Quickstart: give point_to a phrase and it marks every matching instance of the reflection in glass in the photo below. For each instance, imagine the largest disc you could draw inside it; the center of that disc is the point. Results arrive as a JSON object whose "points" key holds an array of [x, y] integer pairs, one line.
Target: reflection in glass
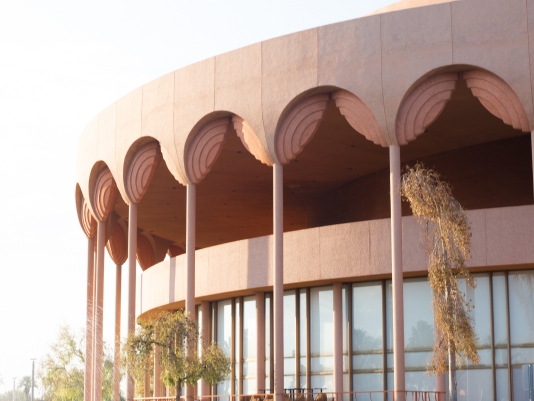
{"points": [[268, 341], [290, 338], [237, 351], [418, 333], [321, 337], [249, 344], [224, 337]]}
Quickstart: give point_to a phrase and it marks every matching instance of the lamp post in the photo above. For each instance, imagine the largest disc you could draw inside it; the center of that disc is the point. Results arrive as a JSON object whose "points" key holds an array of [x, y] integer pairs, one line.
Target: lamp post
{"points": [[14, 388], [33, 375]]}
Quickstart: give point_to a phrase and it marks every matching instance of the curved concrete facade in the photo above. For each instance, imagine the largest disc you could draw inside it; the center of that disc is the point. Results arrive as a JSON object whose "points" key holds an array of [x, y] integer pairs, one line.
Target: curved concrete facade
{"points": [[378, 58], [268, 176]]}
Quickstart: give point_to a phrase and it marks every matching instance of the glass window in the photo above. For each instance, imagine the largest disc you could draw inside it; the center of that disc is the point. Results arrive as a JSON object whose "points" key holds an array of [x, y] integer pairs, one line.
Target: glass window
{"points": [[418, 333], [367, 346], [268, 342], [224, 337], [521, 299], [321, 337], [237, 342], [290, 338], [249, 344]]}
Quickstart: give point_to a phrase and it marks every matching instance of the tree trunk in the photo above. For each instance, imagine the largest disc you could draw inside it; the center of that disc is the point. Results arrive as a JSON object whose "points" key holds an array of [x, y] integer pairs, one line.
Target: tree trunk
{"points": [[178, 390], [452, 372]]}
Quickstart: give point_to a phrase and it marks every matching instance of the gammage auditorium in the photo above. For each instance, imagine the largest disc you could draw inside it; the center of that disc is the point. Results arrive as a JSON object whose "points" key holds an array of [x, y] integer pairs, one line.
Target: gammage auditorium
{"points": [[258, 189]]}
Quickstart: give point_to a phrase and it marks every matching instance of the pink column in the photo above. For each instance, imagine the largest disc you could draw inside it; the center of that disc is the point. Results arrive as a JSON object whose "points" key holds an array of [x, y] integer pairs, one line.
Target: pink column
{"points": [[190, 250], [95, 278], [89, 322], [278, 280], [338, 339], [532, 147], [158, 383], [260, 341], [190, 234], [99, 351], [147, 381], [117, 356], [396, 271], [132, 249]]}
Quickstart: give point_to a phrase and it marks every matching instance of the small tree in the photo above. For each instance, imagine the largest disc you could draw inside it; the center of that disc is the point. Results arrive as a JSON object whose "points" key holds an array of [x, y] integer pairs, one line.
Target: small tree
{"points": [[25, 384], [448, 246], [61, 371], [177, 336]]}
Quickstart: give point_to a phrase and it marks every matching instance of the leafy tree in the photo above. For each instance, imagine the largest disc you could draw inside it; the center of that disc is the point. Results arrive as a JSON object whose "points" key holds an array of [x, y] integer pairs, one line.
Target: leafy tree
{"points": [[61, 371], [448, 246], [25, 384], [177, 336]]}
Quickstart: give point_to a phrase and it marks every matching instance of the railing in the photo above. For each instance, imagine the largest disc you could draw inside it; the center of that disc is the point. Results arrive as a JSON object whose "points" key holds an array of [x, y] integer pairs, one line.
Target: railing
{"points": [[386, 395]]}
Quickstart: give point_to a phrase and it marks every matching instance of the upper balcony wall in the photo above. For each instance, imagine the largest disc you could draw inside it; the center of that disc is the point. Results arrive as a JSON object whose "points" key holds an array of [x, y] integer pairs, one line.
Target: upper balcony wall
{"points": [[345, 252], [379, 58]]}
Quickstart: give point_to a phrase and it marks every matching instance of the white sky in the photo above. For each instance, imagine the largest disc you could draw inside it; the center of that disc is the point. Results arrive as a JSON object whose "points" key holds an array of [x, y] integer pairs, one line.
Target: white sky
{"points": [[61, 63]]}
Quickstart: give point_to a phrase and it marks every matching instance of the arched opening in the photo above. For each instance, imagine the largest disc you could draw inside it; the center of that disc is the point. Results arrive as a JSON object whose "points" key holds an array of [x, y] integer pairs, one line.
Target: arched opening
{"points": [[487, 162]]}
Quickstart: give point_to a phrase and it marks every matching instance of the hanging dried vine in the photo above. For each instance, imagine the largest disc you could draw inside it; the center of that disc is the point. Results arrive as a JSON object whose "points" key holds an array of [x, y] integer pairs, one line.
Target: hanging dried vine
{"points": [[447, 244]]}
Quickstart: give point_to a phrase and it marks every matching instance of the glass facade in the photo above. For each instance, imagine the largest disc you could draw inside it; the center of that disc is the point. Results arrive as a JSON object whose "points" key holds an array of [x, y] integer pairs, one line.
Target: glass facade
{"points": [[503, 317]]}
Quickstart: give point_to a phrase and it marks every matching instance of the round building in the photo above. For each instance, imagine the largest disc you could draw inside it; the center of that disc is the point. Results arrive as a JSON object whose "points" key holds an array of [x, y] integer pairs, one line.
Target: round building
{"points": [[257, 189]]}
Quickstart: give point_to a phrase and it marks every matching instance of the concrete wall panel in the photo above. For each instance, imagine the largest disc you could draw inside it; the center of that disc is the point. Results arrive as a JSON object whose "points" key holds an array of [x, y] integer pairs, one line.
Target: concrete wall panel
{"points": [[493, 34], [414, 42], [353, 251], [128, 130], [349, 57], [289, 68], [194, 98], [238, 86]]}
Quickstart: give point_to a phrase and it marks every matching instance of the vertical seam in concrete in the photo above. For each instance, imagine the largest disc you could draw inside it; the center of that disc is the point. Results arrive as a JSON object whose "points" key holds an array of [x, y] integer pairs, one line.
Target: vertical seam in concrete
{"points": [[214, 78], [529, 61], [369, 242], [382, 81], [485, 240], [316, 57], [141, 111], [115, 150], [452, 43]]}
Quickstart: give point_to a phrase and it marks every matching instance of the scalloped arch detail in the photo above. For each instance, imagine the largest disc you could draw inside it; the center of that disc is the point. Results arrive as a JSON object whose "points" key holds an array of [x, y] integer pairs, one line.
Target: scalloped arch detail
{"points": [[250, 140], [105, 194], [87, 220], [498, 98], [359, 116], [423, 106], [145, 251], [141, 170], [117, 244], [299, 126], [205, 148]]}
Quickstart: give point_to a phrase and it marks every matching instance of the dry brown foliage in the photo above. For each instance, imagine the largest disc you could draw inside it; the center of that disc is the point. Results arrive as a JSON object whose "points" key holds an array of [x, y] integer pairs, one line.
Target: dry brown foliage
{"points": [[447, 243]]}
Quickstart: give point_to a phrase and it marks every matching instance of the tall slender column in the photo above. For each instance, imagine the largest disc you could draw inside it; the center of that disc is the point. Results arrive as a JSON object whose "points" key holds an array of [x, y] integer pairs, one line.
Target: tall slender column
{"points": [[132, 249], [190, 250], [260, 341], [95, 307], [278, 280], [338, 339], [99, 351], [88, 379], [117, 356], [190, 261], [532, 147], [158, 383], [206, 339], [396, 271]]}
